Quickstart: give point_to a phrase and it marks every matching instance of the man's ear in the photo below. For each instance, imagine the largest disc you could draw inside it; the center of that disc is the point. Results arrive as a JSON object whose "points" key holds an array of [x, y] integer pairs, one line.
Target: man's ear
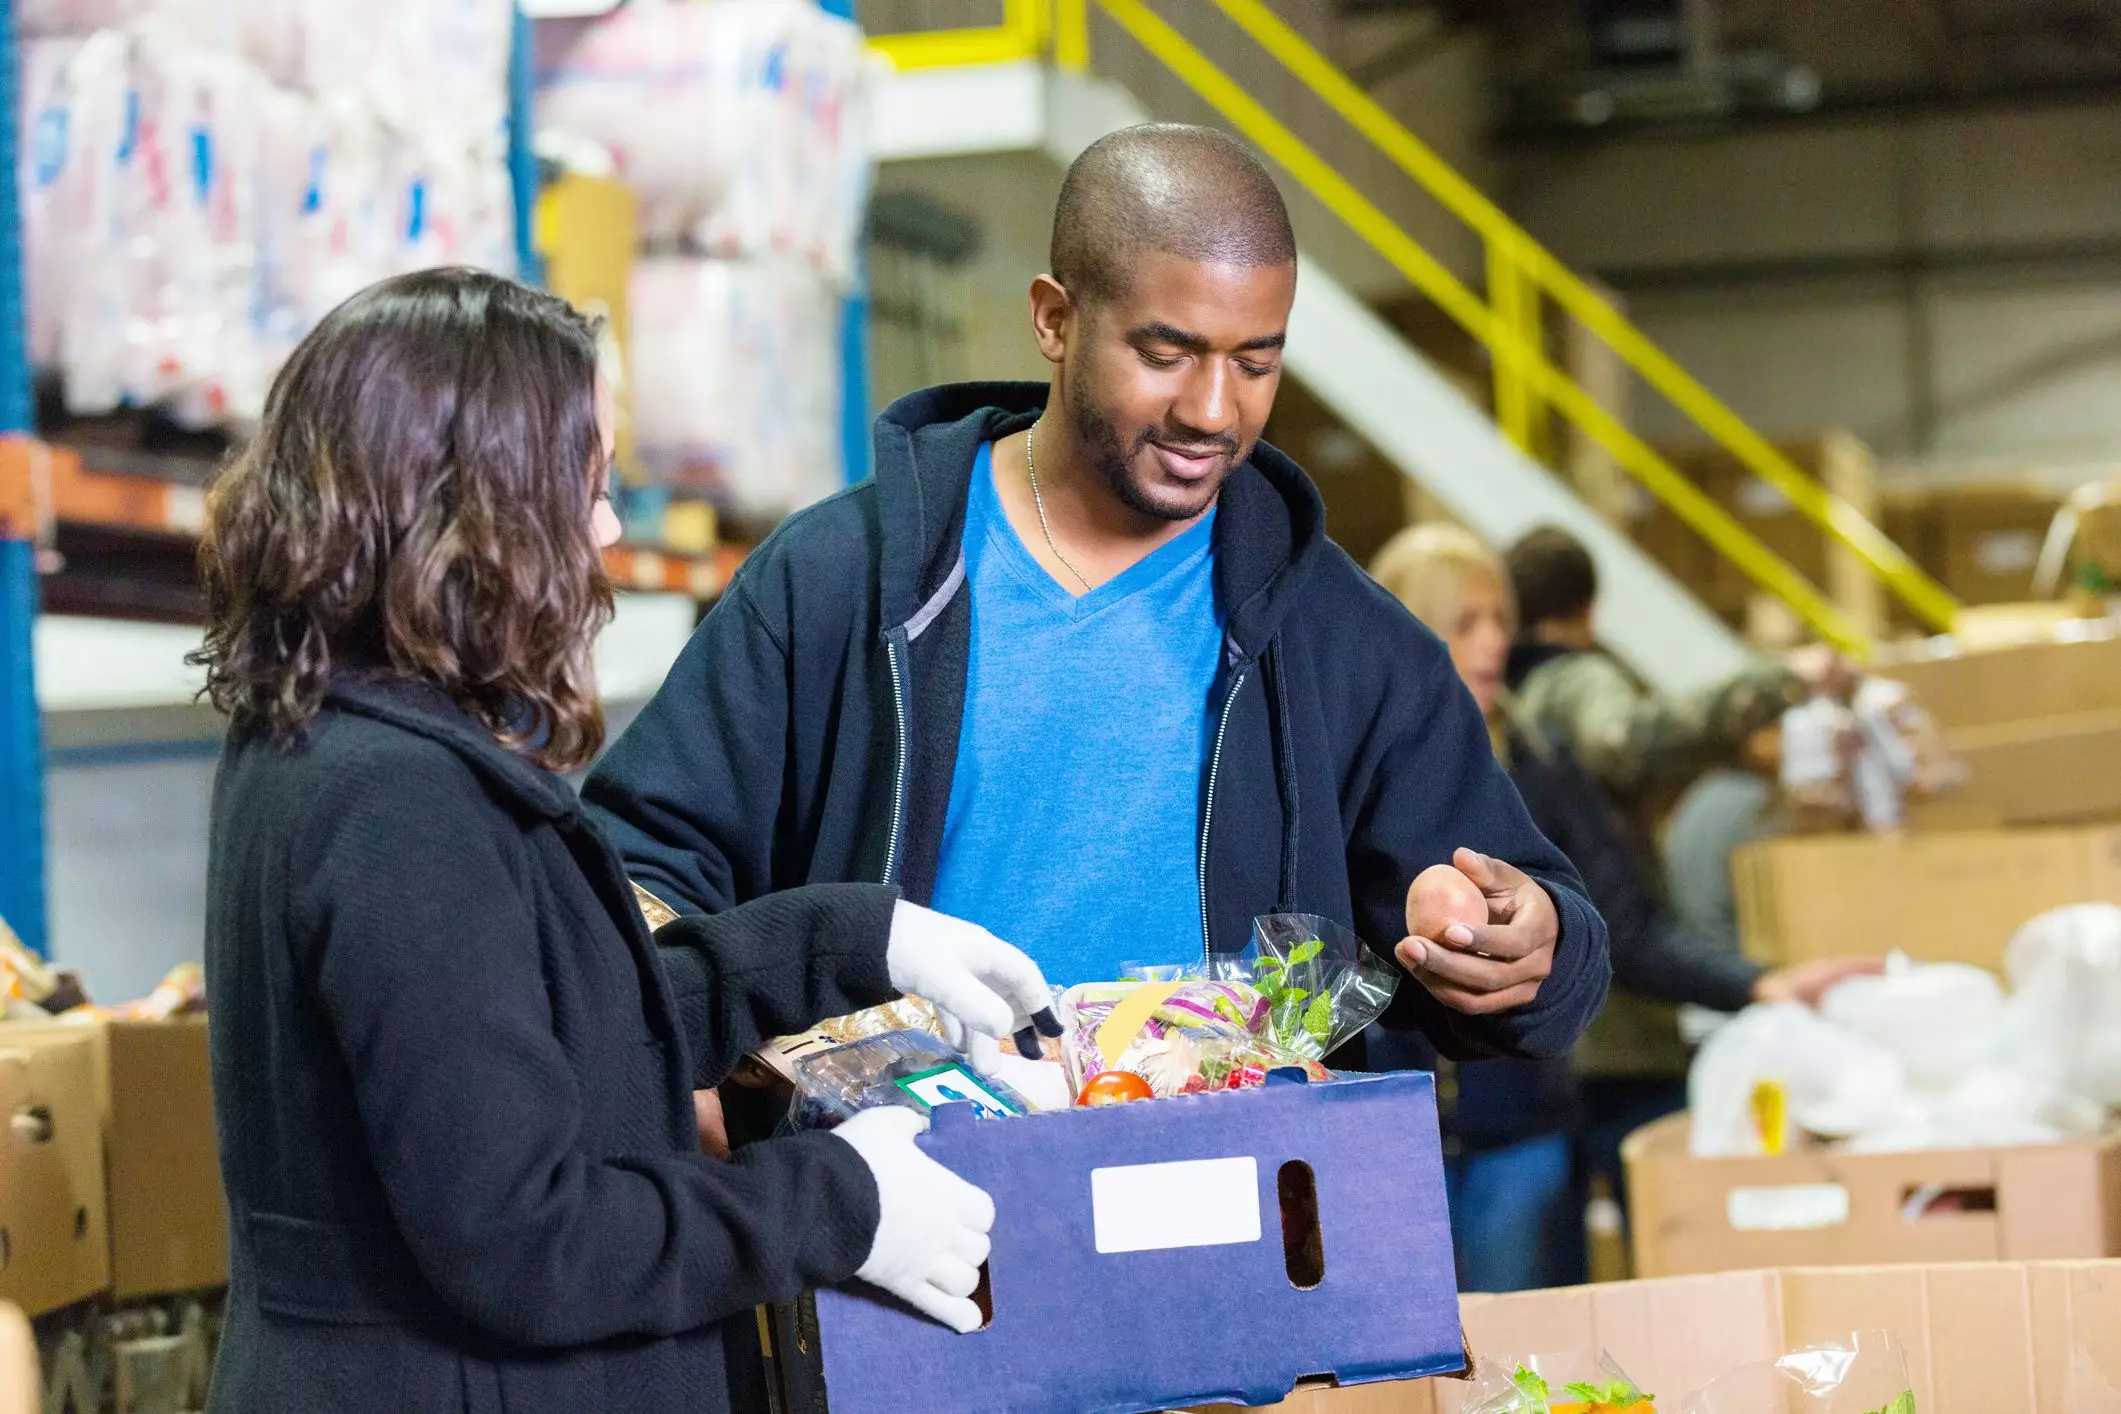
{"points": [[1052, 313]]}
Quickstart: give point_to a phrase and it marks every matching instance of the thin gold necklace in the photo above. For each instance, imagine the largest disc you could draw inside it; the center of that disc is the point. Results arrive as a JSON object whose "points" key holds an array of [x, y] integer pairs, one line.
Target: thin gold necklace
{"points": [[1031, 469]]}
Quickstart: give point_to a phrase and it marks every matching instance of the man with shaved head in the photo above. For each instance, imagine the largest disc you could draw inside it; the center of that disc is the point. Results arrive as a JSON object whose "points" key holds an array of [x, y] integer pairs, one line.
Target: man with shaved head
{"points": [[1079, 663]]}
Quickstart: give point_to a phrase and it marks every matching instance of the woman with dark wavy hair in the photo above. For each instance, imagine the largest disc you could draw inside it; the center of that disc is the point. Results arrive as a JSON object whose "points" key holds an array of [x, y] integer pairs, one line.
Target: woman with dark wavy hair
{"points": [[453, 1072]]}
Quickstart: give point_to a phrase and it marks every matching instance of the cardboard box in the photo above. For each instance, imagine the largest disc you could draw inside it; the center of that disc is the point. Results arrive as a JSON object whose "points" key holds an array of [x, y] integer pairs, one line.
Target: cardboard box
{"points": [[168, 1212], [168, 1215], [2049, 771], [1160, 1254], [1827, 1207], [1949, 897], [54, 1249], [1991, 537], [1991, 1338], [2037, 724], [2015, 683]]}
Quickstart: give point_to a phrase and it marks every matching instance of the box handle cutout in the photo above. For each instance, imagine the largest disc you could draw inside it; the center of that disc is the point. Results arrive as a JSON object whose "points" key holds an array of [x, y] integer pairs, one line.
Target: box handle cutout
{"points": [[33, 1125], [1303, 1246], [1939, 1200], [983, 1295]]}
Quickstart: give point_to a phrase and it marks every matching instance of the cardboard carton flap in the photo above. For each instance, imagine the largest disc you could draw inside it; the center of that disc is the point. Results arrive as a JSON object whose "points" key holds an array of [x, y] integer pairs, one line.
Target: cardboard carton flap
{"points": [[1212, 1317]]}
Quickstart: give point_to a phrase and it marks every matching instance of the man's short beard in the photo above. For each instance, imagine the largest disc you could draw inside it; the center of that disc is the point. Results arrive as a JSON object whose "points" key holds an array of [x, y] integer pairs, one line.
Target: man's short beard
{"points": [[1113, 458]]}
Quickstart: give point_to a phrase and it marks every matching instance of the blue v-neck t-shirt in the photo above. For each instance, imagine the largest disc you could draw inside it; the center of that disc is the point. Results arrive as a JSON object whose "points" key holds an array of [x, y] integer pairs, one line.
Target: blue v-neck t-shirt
{"points": [[1074, 817]]}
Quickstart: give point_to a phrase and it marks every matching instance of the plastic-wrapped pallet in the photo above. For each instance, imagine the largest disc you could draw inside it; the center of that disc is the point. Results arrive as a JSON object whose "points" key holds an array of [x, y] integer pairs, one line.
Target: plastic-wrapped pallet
{"points": [[205, 179], [736, 380], [736, 125]]}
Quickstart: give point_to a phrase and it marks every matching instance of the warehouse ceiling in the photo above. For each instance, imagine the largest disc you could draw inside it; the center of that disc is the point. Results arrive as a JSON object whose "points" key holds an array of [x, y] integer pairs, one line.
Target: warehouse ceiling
{"points": [[1586, 65]]}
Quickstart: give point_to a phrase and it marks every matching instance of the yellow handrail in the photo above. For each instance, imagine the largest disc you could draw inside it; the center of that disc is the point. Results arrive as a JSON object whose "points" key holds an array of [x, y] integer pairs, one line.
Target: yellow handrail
{"points": [[1020, 36], [1510, 244], [1658, 475]]}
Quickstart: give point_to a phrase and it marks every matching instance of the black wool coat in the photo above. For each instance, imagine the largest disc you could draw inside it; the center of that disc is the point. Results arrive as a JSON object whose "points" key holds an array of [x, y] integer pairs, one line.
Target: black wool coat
{"points": [[453, 1078]]}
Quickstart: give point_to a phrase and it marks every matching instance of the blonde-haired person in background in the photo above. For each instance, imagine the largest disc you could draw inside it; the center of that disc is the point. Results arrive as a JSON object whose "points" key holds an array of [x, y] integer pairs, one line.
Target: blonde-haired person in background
{"points": [[1516, 1192]]}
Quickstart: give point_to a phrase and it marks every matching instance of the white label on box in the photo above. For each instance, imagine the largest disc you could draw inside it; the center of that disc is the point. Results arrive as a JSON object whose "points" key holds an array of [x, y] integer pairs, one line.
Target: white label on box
{"points": [[2007, 551], [1195, 1203], [1796, 1207], [1761, 498]]}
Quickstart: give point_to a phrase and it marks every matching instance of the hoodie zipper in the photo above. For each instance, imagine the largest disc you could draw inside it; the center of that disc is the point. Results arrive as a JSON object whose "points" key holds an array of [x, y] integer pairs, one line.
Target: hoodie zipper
{"points": [[1207, 813], [898, 778]]}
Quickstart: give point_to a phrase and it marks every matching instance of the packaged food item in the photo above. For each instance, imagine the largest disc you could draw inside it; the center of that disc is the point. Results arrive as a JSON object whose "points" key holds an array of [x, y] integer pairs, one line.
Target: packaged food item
{"points": [[1575, 1383], [909, 1069], [1302, 987], [1866, 1376], [1181, 1037]]}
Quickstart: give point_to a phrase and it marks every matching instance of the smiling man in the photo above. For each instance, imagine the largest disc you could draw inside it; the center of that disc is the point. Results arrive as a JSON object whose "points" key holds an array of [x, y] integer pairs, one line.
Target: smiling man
{"points": [[1081, 665]]}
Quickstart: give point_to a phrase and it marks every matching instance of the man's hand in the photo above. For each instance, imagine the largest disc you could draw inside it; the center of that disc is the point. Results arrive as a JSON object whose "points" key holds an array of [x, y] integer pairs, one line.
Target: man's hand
{"points": [[1808, 982], [1497, 967]]}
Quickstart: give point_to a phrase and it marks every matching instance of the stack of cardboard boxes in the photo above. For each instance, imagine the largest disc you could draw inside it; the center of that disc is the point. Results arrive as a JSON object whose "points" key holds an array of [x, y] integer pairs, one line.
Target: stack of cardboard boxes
{"points": [[111, 1183], [2036, 825]]}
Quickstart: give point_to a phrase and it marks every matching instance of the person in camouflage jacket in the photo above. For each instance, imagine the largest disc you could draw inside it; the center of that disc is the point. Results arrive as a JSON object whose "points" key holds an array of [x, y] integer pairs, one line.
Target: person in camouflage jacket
{"points": [[1644, 748]]}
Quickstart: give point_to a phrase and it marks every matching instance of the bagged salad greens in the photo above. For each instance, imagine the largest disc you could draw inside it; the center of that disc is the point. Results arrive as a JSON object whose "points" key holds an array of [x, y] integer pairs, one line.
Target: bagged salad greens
{"points": [[1866, 1376], [1556, 1384], [1321, 984]]}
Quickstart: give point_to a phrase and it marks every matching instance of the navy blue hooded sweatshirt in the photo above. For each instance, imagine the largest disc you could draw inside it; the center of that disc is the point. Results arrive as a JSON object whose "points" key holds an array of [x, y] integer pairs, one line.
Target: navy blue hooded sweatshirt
{"points": [[809, 731]]}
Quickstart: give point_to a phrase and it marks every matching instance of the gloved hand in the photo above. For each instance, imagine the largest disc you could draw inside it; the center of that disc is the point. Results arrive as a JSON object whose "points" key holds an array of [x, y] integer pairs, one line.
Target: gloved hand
{"points": [[932, 1232], [977, 981], [1041, 1082]]}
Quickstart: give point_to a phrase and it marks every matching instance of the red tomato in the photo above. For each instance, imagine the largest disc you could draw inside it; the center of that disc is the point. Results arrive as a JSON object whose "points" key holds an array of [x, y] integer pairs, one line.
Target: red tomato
{"points": [[1114, 1087]]}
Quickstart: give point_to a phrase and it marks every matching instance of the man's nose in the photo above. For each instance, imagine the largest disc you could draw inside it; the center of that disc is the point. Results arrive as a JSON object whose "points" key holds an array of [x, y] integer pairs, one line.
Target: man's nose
{"points": [[1205, 405]]}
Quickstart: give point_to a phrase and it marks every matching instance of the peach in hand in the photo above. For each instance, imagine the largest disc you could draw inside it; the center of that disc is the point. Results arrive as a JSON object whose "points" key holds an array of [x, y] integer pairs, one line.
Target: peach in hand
{"points": [[1442, 896]]}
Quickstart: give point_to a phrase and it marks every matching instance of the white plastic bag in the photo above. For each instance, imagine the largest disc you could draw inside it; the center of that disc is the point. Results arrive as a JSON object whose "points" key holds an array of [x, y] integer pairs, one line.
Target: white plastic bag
{"points": [[1836, 1083], [1937, 1018], [2064, 1015]]}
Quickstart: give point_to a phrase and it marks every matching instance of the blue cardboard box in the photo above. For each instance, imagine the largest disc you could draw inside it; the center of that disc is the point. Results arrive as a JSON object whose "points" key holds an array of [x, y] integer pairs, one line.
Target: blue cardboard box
{"points": [[1214, 1248]]}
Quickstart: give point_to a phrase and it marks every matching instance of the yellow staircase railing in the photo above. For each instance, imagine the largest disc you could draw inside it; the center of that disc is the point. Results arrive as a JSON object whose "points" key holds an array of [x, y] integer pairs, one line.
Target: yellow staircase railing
{"points": [[1521, 274]]}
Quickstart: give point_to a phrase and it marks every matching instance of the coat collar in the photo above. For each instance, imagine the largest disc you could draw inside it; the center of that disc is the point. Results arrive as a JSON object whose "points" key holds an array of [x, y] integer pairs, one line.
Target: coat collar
{"points": [[420, 707]]}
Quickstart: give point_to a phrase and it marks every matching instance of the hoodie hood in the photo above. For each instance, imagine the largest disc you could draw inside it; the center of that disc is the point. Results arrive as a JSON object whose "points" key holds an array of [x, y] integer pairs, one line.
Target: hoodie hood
{"points": [[1270, 524]]}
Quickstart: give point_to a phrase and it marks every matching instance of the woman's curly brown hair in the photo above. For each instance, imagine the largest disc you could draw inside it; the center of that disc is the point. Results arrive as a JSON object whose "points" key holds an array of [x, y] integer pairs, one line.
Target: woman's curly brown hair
{"points": [[416, 505]]}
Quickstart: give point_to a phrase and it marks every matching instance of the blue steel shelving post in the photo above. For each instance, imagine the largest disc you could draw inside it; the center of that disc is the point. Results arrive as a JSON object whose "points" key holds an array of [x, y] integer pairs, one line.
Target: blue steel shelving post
{"points": [[854, 342], [21, 736], [522, 160]]}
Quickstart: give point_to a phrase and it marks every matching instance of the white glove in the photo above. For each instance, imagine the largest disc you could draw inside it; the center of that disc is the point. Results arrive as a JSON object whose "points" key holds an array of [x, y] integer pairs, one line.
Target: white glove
{"points": [[1042, 1083], [977, 981], [932, 1229]]}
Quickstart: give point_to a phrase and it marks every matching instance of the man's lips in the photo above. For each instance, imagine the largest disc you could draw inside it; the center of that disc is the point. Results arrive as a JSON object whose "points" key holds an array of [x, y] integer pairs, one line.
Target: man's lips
{"points": [[1188, 465]]}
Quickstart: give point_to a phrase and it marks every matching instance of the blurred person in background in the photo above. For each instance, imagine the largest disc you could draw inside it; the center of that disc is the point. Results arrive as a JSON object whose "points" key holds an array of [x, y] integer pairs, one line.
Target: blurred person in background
{"points": [[452, 1071], [1080, 663], [1516, 1197], [1642, 749]]}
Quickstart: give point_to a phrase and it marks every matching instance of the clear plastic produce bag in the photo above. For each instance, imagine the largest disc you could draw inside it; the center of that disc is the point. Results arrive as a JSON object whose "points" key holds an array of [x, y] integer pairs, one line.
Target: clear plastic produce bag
{"points": [[1866, 1376], [1321, 984], [1575, 1383]]}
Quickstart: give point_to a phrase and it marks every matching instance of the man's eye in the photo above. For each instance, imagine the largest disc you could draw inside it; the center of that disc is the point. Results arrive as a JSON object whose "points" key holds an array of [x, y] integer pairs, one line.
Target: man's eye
{"points": [[1255, 370], [1159, 360]]}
